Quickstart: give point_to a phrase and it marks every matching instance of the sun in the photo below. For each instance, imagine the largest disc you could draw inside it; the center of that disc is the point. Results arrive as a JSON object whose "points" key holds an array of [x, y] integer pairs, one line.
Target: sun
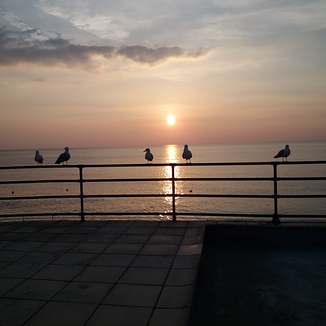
{"points": [[170, 120]]}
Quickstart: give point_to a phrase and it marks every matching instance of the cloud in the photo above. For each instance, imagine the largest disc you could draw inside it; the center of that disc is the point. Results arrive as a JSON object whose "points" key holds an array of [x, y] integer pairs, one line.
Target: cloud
{"points": [[31, 47], [147, 55]]}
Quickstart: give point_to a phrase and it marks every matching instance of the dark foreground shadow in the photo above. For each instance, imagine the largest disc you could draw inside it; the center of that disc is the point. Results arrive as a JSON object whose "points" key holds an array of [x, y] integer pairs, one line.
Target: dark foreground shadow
{"points": [[261, 276]]}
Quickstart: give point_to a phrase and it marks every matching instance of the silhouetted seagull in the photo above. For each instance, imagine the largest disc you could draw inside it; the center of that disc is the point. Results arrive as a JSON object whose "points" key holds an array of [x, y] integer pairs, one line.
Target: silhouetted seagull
{"points": [[148, 156], [187, 155], [284, 153], [64, 157], [38, 157]]}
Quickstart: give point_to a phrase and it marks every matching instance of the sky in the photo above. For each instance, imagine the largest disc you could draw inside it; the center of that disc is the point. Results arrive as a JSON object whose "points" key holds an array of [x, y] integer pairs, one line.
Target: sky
{"points": [[110, 73]]}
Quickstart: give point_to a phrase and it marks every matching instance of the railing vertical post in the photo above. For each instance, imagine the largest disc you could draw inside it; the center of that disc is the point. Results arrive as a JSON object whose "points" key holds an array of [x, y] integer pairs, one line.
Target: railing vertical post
{"points": [[173, 193], [81, 193], [276, 219]]}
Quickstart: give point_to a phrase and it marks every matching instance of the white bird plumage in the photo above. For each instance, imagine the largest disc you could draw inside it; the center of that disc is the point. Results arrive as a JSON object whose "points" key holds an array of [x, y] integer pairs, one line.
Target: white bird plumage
{"points": [[38, 157], [64, 157], [187, 155], [284, 153], [148, 156]]}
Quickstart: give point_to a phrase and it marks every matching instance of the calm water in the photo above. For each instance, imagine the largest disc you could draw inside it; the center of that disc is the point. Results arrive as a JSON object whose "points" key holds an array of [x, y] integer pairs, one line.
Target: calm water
{"points": [[254, 152]]}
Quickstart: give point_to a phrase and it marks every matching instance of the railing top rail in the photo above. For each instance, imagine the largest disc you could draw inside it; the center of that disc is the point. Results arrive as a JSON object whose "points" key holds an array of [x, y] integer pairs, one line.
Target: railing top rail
{"points": [[157, 165], [275, 196]]}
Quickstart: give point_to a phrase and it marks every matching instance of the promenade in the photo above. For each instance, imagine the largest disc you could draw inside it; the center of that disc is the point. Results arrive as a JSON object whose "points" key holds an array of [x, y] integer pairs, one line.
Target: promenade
{"points": [[145, 272], [98, 272]]}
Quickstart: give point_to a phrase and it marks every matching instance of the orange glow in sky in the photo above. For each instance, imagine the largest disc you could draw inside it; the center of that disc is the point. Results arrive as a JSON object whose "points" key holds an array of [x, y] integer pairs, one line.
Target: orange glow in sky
{"points": [[156, 75]]}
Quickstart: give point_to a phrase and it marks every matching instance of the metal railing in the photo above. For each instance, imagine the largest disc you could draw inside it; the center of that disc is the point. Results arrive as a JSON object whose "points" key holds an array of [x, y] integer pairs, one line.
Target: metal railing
{"points": [[82, 197]]}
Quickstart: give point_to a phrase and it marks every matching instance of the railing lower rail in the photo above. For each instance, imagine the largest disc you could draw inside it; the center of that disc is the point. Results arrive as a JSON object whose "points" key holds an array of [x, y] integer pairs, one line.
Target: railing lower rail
{"points": [[81, 180]]}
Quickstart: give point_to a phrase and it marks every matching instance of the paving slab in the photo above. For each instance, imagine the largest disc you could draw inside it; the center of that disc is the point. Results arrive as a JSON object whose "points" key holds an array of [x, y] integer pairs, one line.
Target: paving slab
{"points": [[7, 284], [113, 260], [84, 292], [124, 248], [145, 275], [134, 295], [181, 276], [152, 261], [25, 245], [164, 317], [159, 249], [36, 289], [21, 270], [73, 258], [176, 297], [62, 313], [57, 247], [39, 257], [104, 274], [89, 247], [11, 255], [120, 316], [59, 272], [15, 312]]}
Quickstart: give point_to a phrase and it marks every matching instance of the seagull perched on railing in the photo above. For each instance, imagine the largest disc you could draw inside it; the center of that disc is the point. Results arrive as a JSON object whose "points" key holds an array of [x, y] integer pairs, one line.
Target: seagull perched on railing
{"points": [[148, 156], [284, 153], [187, 155], [38, 157], [64, 157]]}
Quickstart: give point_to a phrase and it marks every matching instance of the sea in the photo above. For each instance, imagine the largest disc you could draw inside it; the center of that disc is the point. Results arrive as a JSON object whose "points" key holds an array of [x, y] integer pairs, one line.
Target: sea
{"points": [[161, 207]]}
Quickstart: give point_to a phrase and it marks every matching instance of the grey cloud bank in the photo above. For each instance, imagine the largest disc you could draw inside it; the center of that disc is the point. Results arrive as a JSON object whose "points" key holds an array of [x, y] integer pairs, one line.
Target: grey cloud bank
{"points": [[27, 47], [185, 23], [76, 34]]}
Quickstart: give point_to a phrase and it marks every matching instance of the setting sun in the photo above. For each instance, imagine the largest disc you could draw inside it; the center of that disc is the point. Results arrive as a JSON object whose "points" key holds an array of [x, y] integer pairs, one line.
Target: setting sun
{"points": [[170, 120]]}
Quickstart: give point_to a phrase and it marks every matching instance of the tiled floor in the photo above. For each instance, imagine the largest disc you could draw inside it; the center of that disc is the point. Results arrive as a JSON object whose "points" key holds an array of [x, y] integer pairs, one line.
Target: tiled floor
{"points": [[98, 272], [101, 272]]}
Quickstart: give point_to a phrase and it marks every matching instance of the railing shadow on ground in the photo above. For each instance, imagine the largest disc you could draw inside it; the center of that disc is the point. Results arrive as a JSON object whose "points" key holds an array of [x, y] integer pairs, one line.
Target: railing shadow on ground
{"points": [[81, 180]]}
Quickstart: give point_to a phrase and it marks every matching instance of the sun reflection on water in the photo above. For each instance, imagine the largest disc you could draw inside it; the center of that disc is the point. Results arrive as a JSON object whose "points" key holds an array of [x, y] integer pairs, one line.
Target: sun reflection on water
{"points": [[170, 156], [170, 153]]}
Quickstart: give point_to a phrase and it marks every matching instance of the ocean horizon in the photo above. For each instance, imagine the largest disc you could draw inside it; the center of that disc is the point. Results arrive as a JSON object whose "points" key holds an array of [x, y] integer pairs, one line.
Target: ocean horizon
{"points": [[221, 152], [209, 153]]}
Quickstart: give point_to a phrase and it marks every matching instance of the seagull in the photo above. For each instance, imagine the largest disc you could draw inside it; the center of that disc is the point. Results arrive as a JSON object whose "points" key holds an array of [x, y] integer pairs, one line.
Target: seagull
{"points": [[64, 157], [284, 153], [38, 157], [148, 156], [187, 155]]}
